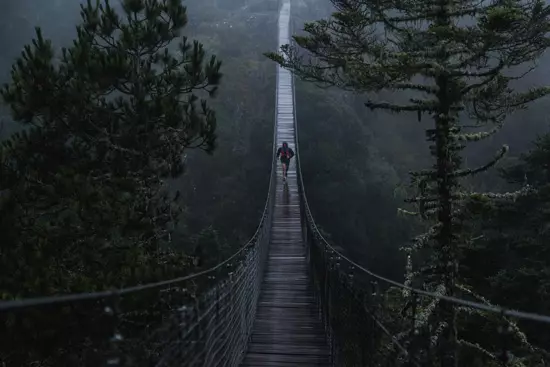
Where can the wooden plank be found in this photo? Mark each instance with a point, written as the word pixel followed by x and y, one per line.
pixel 261 359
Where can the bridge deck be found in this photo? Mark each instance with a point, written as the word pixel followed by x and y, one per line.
pixel 287 330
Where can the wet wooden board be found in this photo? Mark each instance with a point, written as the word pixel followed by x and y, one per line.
pixel 288 330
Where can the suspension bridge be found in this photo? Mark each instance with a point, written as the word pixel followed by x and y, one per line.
pixel 285 298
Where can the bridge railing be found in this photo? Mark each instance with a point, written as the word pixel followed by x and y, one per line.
pixel 352 329
pixel 374 321
pixel 169 323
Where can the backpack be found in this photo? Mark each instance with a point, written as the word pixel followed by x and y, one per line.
pixel 286 152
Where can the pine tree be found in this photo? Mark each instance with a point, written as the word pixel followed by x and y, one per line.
pixel 83 201
pixel 107 120
pixel 452 60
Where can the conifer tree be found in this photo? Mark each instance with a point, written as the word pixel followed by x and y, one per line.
pixel 514 235
pixel 83 200
pixel 108 119
pixel 453 61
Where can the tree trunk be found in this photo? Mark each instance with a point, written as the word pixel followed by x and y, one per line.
pixel 446 246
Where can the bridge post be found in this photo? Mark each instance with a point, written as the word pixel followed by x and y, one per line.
pixel 374 296
pixel 412 346
pixel 328 306
pixel 504 330
pixel 112 311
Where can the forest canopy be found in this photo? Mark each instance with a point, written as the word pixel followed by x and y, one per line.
pixel 109 119
pixel 104 180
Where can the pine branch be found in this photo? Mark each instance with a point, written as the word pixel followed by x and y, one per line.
pixel 470 172
pixel 525 190
pixel 477 347
pixel 471 137
pixel 512 325
pixel 419 106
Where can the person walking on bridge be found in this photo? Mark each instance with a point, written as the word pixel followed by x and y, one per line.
pixel 286 153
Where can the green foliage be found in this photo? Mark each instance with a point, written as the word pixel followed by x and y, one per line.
pixel 453 71
pixel 84 203
pixel 228 191
pixel 514 235
pixel 109 119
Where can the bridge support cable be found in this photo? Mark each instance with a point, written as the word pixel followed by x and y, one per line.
pixel 371 320
pixel 203 319
pixel 374 321
pixel 170 323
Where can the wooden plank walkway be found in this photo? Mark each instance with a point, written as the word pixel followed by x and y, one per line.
pixel 288 330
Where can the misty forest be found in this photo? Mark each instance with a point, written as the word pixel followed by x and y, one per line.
pixel 137 148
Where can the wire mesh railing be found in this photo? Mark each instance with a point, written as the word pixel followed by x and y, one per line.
pixel 170 323
pixel 371 320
